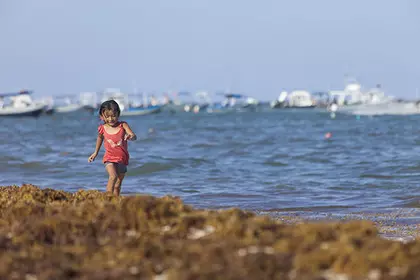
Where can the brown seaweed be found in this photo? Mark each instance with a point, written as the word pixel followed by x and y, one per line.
pixel 52 234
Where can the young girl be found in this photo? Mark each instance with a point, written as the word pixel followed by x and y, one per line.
pixel 115 135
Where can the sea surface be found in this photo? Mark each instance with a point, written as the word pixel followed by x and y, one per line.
pixel 263 161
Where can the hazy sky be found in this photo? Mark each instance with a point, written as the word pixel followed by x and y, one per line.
pixel 256 47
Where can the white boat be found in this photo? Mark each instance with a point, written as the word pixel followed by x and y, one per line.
pixel 139 111
pixel 280 102
pixel 89 100
pixel 127 108
pixel 390 108
pixel 173 105
pixel 233 102
pixel 300 99
pixel 20 104
pixel 69 108
pixel 62 104
pixel 33 110
pixel 295 99
pixel 351 95
pixel 353 98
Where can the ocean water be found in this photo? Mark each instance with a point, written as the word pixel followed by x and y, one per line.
pixel 262 161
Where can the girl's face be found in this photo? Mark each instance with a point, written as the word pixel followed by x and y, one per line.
pixel 110 117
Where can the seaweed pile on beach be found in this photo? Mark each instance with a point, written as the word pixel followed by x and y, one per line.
pixel 51 234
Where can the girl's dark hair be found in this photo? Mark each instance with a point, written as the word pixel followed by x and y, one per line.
pixel 110 105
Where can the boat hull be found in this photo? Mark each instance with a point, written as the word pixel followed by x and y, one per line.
pixel 68 108
pixel 293 107
pixel 30 111
pixel 391 108
pixel 141 111
pixel 300 107
pixel 173 108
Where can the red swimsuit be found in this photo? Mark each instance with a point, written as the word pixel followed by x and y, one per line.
pixel 116 148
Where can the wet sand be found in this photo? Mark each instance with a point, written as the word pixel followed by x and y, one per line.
pixel 400 225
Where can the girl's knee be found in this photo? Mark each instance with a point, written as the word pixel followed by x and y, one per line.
pixel 113 177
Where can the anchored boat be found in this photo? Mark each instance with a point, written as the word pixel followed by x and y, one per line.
pixel 17 104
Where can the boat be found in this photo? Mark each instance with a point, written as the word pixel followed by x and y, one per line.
pixel 33 110
pixel 127 107
pixel 69 108
pixel 201 102
pixel 140 111
pixel 322 99
pixel 63 104
pixel 233 102
pixel 296 99
pixel 351 95
pixel 173 107
pixel 20 104
pixel 280 102
pixel 172 102
pixel 354 99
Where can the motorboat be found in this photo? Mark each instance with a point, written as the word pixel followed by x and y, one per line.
pixel 354 99
pixel 390 108
pixel 233 102
pixel 63 104
pixel 127 107
pixel 18 104
pixel 295 99
pixel 280 102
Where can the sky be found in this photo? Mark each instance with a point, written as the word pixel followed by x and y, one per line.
pixel 258 48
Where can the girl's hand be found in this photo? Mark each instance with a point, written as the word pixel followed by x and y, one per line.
pixel 92 157
pixel 130 137
pixel 129 134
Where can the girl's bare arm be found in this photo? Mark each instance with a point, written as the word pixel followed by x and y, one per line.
pixel 99 141
pixel 129 134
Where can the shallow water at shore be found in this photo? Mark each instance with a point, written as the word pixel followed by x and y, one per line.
pixel 263 161
pixel 397 224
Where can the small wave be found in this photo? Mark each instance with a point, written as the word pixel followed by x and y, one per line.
pixel 308 209
pixel 229 195
pixel 235 152
pixel 318 160
pixel 409 202
pixel 45 150
pixel 203 145
pixel 377 186
pixel 376 176
pixel 297 139
pixel 188 190
pixel 152 167
pixel 311 159
pixel 215 128
pixel 266 141
pixel 33 165
pixel 190 161
pixel 7 159
pixel 410 168
pixel 274 163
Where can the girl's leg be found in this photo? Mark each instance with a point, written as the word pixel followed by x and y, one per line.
pixel 111 168
pixel 117 186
